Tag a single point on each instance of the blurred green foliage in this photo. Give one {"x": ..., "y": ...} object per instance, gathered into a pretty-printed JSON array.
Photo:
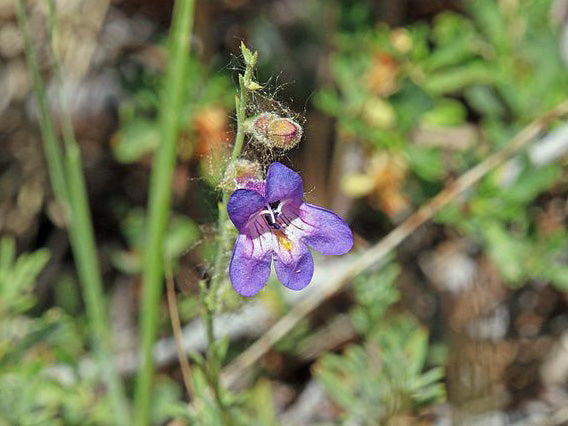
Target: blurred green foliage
[
  {"x": 17, "y": 276},
  {"x": 139, "y": 133},
  {"x": 441, "y": 97},
  {"x": 385, "y": 377},
  {"x": 41, "y": 379},
  {"x": 31, "y": 391},
  {"x": 181, "y": 234},
  {"x": 426, "y": 102}
]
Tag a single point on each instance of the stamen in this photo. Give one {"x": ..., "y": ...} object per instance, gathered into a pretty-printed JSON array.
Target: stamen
[{"x": 271, "y": 213}]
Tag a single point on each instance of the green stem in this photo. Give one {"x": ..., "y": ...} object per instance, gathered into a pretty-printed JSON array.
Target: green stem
[
  {"x": 70, "y": 190},
  {"x": 213, "y": 366},
  {"x": 67, "y": 125},
  {"x": 51, "y": 147},
  {"x": 85, "y": 253},
  {"x": 160, "y": 200}
]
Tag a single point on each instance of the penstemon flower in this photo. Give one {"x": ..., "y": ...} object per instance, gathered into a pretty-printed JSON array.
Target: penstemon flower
[{"x": 274, "y": 222}]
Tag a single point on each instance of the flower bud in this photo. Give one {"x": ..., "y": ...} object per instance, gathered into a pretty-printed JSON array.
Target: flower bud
[
  {"x": 284, "y": 133},
  {"x": 241, "y": 173},
  {"x": 261, "y": 123},
  {"x": 276, "y": 132}
]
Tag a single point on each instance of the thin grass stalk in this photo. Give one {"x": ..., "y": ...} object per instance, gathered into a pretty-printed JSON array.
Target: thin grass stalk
[
  {"x": 70, "y": 190},
  {"x": 85, "y": 254},
  {"x": 160, "y": 200},
  {"x": 53, "y": 155},
  {"x": 67, "y": 130},
  {"x": 84, "y": 246}
]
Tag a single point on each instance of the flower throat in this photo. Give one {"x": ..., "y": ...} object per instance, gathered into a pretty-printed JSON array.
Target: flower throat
[{"x": 271, "y": 214}]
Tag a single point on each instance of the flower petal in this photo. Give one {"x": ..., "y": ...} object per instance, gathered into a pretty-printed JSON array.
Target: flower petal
[
  {"x": 328, "y": 234},
  {"x": 242, "y": 204},
  {"x": 295, "y": 271},
  {"x": 283, "y": 183},
  {"x": 250, "y": 266}
]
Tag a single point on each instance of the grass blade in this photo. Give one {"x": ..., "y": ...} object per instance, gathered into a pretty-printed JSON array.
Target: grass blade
[
  {"x": 85, "y": 254},
  {"x": 69, "y": 187},
  {"x": 160, "y": 199}
]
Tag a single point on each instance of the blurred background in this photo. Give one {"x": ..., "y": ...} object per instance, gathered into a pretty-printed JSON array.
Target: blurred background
[{"x": 466, "y": 322}]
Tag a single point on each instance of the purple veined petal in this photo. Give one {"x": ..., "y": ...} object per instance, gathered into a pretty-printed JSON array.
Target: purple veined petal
[
  {"x": 283, "y": 183},
  {"x": 328, "y": 234},
  {"x": 250, "y": 266},
  {"x": 242, "y": 204},
  {"x": 295, "y": 268}
]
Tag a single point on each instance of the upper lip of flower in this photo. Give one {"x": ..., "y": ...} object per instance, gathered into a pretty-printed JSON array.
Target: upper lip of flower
[{"x": 275, "y": 222}]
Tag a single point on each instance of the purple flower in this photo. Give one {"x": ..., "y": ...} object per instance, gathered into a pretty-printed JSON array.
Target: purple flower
[{"x": 274, "y": 222}]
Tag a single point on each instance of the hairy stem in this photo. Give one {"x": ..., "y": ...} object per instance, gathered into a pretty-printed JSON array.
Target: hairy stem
[
  {"x": 213, "y": 366},
  {"x": 209, "y": 296},
  {"x": 223, "y": 238}
]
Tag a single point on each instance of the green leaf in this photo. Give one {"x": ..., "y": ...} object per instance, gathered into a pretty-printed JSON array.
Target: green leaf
[
  {"x": 17, "y": 276},
  {"x": 426, "y": 162},
  {"x": 531, "y": 182},
  {"x": 508, "y": 251},
  {"x": 558, "y": 275},
  {"x": 165, "y": 394},
  {"x": 375, "y": 294},
  {"x": 446, "y": 112},
  {"x": 410, "y": 103},
  {"x": 328, "y": 101},
  {"x": 135, "y": 140},
  {"x": 417, "y": 349},
  {"x": 221, "y": 347},
  {"x": 182, "y": 232},
  {"x": 485, "y": 101},
  {"x": 262, "y": 403},
  {"x": 248, "y": 56},
  {"x": 7, "y": 252},
  {"x": 491, "y": 20},
  {"x": 456, "y": 79}
]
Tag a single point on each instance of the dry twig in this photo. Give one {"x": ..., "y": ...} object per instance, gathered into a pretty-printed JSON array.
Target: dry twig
[{"x": 176, "y": 327}]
